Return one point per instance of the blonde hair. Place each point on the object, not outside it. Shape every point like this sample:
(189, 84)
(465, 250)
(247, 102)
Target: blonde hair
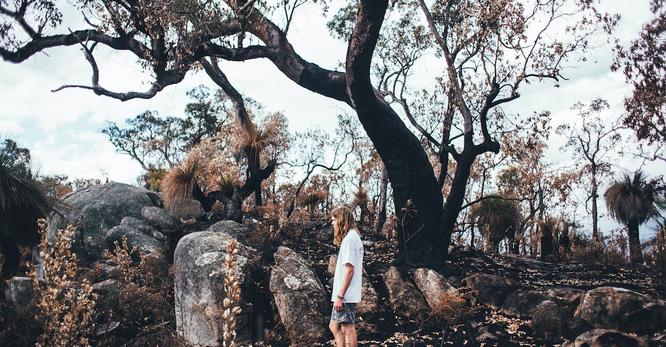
(344, 221)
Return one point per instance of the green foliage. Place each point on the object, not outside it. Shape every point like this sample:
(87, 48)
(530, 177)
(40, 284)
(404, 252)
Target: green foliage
(22, 200)
(155, 141)
(15, 159)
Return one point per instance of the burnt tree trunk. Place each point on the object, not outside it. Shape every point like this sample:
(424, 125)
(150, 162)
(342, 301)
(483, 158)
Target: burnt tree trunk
(635, 251)
(381, 211)
(594, 196)
(416, 194)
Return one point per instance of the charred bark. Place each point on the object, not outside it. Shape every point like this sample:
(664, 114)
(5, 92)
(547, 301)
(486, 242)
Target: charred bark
(418, 201)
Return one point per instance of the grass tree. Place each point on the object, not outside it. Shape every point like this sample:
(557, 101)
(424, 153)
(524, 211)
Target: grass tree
(497, 219)
(22, 202)
(631, 201)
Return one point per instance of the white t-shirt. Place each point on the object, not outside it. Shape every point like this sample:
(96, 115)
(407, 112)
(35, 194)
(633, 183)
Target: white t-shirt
(351, 251)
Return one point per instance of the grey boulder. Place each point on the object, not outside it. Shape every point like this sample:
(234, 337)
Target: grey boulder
(199, 287)
(95, 210)
(300, 298)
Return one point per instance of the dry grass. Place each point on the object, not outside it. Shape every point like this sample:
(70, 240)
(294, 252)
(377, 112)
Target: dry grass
(65, 305)
(610, 250)
(178, 184)
(655, 257)
(450, 308)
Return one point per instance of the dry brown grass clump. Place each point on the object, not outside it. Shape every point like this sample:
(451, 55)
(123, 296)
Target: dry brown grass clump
(231, 304)
(450, 308)
(65, 304)
(178, 184)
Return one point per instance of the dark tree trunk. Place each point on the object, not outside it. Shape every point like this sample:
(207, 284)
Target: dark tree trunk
(635, 250)
(416, 194)
(12, 255)
(381, 211)
(595, 213)
(546, 239)
(565, 243)
(456, 196)
(254, 167)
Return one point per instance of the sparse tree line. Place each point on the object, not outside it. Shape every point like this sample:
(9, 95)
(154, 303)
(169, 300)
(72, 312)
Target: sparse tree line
(449, 150)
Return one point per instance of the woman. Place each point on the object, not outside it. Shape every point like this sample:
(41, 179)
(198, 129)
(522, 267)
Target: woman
(347, 278)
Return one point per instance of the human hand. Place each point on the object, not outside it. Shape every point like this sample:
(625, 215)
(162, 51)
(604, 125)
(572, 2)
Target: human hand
(337, 305)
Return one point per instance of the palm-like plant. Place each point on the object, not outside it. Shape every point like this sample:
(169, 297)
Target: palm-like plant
(497, 219)
(22, 202)
(631, 201)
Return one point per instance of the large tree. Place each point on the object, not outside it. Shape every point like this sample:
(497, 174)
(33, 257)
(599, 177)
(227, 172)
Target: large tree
(489, 48)
(592, 139)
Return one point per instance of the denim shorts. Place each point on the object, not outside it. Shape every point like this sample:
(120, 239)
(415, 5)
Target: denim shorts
(346, 315)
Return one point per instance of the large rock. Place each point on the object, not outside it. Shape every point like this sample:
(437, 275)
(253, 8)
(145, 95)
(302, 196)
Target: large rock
(143, 237)
(403, 297)
(96, 209)
(606, 338)
(20, 296)
(489, 289)
(622, 309)
(188, 209)
(435, 288)
(369, 300)
(521, 302)
(300, 298)
(236, 230)
(567, 298)
(548, 320)
(161, 219)
(199, 287)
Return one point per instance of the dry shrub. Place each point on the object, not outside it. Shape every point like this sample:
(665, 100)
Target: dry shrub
(153, 178)
(611, 249)
(655, 257)
(144, 309)
(65, 305)
(262, 235)
(450, 308)
(231, 303)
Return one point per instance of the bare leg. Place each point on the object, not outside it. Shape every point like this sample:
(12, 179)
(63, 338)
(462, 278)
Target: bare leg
(337, 333)
(349, 331)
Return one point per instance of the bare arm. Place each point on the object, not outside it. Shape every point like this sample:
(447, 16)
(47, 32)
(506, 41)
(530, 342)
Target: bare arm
(346, 279)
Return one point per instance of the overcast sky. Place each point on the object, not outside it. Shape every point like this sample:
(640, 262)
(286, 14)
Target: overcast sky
(62, 130)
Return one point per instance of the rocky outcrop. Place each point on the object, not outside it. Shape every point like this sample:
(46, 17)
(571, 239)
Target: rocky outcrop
(435, 287)
(236, 230)
(622, 309)
(160, 219)
(548, 320)
(489, 289)
(188, 209)
(606, 338)
(199, 286)
(146, 239)
(300, 298)
(404, 299)
(522, 302)
(20, 296)
(95, 210)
